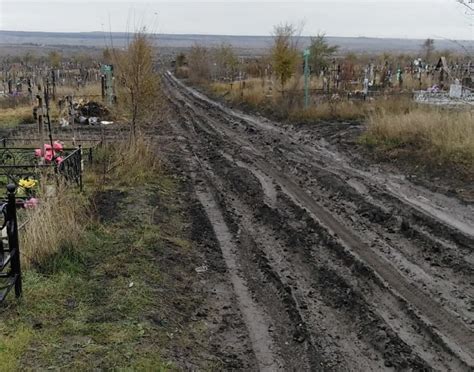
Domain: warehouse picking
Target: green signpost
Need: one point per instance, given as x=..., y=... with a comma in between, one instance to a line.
x=108, y=73
x=306, y=55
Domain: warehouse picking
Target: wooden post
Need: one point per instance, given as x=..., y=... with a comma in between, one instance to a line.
x=102, y=84
x=81, y=168
x=53, y=80
x=40, y=120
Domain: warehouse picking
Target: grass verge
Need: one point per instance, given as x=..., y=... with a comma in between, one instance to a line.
x=116, y=298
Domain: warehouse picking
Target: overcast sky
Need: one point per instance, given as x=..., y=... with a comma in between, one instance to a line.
x=373, y=18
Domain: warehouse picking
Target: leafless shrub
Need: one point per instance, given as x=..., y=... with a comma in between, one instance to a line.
x=139, y=83
x=199, y=64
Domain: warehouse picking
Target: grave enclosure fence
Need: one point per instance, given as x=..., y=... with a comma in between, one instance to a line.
x=18, y=163
x=10, y=266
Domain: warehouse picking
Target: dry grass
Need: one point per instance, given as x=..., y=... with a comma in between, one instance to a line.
x=11, y=117
x=252, y=93
x=13, y=101
x=88, y=91
x=138, y=161
x=344, y=110
x=59, y=220
x=439, y=134
x=127, y=162
x=259, y=95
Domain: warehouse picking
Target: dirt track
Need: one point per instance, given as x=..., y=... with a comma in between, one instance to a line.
x=334, y=267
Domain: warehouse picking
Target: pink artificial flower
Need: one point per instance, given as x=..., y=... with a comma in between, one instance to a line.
x=57, y=146
x=48, y=156
x=31, y=203
x=59, y=160
x=48, y=153
x=38, y=153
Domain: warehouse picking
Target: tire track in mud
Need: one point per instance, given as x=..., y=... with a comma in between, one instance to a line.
x=441, y=269
x=391, y=308
x=458, y=227
x=446, y=323
x=360, y=322
x=254, y=318
x=392, y=352
x=272, y=353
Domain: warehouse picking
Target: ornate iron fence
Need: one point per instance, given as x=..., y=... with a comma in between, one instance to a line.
x=10, y=267
x=71, y=167
x=19, y=162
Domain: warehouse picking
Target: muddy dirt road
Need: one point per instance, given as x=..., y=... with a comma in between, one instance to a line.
x=334, y=267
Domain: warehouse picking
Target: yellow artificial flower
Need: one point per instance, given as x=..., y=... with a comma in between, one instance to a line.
x=27, y=183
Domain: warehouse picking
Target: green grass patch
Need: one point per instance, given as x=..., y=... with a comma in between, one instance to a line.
x=92, y=306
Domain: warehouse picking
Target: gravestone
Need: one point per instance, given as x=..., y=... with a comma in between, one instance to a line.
x=455, y=91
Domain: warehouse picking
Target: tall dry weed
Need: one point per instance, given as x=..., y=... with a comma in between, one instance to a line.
x=440, y=133
x=128, y=161
x=59, y=219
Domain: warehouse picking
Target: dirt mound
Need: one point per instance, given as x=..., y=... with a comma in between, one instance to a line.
x=93, y=109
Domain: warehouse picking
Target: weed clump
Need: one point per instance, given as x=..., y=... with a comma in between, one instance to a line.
x=128, y=162
x=59, y=220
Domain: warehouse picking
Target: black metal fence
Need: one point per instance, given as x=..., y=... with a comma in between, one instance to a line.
x=10, y=267
x=71, y=167
x=15, y=164
x=19, y=162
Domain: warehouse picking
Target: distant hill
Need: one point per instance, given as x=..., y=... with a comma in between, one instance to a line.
x=248, y=43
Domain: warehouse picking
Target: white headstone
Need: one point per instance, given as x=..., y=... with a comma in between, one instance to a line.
x=455, y=91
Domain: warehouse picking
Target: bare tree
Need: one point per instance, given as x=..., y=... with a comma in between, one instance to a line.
x=226, y=61
x=469, y=4
x=55, y=59
x=181, y=60
x=428, y=48
x=285, y=52
x=321, y=53
x=139, y=83
x=199, y=64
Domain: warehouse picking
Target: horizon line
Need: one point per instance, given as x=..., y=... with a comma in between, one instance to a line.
x=229, y=35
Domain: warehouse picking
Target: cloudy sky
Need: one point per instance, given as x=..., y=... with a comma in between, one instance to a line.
x=374, y=18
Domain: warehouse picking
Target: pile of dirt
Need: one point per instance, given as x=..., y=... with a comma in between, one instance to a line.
x=93, y=109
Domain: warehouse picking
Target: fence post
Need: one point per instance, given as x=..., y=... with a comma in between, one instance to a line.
x=81, y=166
x=13, y=241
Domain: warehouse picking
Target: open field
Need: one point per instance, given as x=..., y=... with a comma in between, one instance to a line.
x=255, y=43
